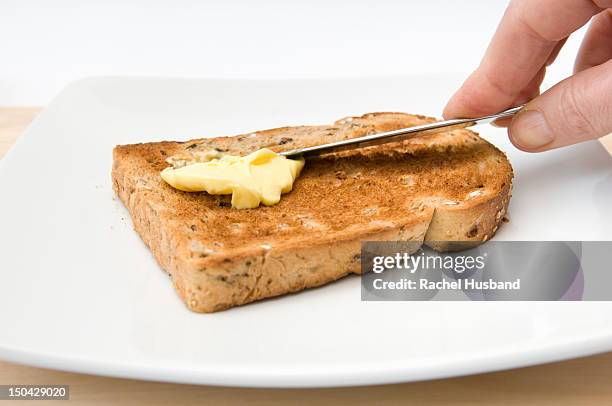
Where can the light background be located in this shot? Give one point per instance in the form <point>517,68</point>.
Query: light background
<point>44,45</point>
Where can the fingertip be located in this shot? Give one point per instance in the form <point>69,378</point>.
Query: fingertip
<point>523,148</point>
<point>529,131</point>
<point>475,98</point>
<point>517,143</point>
<point>447,113</point>
<point>450,110</point>
<point>457,106</point>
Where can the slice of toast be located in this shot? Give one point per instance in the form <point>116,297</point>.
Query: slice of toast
<point>438,188</point>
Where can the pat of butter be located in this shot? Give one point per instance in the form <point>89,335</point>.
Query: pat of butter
<point>260,177</point>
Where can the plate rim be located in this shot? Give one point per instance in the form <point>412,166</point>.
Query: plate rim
<point>343,376</point>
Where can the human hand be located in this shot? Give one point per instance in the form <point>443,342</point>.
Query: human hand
<point>528,39</point>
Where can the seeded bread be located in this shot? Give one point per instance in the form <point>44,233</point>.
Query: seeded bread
<point>437,188</point>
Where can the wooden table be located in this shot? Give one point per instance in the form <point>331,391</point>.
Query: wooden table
<point>576,382</point>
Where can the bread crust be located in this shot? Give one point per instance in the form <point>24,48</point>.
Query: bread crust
<point>436,189</point>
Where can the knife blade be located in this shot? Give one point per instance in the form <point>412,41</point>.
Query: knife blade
<point>397,135</point>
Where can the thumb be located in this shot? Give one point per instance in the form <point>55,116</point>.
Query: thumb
<point>575,110</point>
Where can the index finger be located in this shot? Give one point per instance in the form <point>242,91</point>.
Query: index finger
<point>521,46</point>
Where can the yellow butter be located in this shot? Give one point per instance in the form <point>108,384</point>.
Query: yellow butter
<point>260,177</point>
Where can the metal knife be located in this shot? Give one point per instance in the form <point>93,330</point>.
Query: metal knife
<point>397,135</point>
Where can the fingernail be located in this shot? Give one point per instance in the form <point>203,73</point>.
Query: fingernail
<point>502,122</point>
<point>530,130</point>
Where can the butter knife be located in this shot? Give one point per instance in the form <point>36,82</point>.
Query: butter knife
<point>397,135</point>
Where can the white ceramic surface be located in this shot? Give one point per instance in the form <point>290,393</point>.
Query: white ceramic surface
<point>79,291</point>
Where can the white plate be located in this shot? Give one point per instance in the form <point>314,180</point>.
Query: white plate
<point>79,291</point>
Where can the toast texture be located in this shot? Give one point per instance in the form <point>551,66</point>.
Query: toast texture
<point>433,189</point>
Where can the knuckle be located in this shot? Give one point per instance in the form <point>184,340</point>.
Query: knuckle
<point>573,112</point>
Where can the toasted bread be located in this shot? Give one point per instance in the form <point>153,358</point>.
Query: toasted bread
<point>437,188</point>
